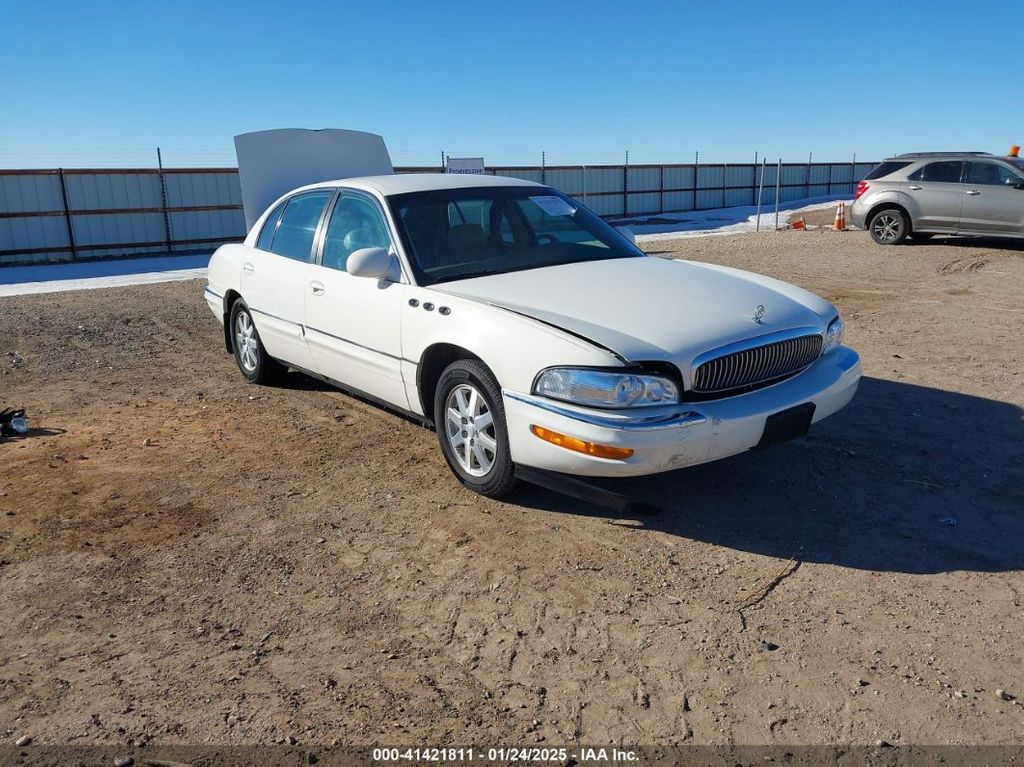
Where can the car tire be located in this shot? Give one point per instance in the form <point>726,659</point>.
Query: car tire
<point>889,226</point>
<point>474,436</point>
<point>251,357</point>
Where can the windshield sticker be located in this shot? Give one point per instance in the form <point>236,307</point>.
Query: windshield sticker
<point>553,205</point>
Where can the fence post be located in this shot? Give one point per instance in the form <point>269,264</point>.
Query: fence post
<point>584,184</point>
<point>760,191</point>
<point>661,190</point>
<point>853,174</point>
<point>753,181</point>
<point>163,200</point>
<point>67,215</point>
<point>725,181</point>
<point>625,186</point>
<point>696,171</point>
<point>807,176</point>
<point>778,190</point>
<point>543,167</point>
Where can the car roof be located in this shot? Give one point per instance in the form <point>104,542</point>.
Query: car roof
<point>402,183</point>
<point>946,155</point>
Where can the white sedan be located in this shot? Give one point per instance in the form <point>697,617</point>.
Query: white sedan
<point>526,330</point>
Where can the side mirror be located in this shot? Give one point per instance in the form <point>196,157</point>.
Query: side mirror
<point>1015,182</point>
<point>375,263</point>
<point>626,232</point>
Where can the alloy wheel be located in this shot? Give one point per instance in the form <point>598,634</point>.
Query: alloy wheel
<point>469,426</point>
<point>245,341</point>
<point>887,227</point>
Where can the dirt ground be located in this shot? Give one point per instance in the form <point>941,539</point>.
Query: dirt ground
<point>186,558</point>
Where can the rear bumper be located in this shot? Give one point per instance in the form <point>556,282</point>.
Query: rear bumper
<point>858,215</point>
<point>690,434</point>
<point>216,303</point>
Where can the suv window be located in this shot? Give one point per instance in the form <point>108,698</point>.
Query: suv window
<point>885,168</point>
<point>355,223</point>
<point>295,232</point>
<point>989,174</point>
<point>946,172</point>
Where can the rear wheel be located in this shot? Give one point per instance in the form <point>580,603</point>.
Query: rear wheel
<point>252,359</point>
<point>470,421</point>
<point>889,227</point>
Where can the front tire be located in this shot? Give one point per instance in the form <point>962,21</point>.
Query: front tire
<point>256,365</point>
<point>889,227</point>
<point>470,420</point>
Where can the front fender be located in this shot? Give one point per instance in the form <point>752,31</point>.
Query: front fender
<point>514,347</point>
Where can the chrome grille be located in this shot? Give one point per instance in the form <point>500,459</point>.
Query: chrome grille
<point>749,367</point>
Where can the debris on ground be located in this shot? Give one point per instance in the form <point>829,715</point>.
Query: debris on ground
<point>13,422</point>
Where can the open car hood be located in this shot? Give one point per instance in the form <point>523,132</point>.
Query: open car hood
<point>273,162</point>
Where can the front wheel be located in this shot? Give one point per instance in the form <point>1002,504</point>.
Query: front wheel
<point>889,227</point>
<point>470,421</point>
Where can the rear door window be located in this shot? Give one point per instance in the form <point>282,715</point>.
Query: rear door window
<point>945,172</point>
<point>297,228</point>
<point>885,168</point>
<point>269,228</point>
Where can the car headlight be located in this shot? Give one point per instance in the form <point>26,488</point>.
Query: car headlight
<point>833,336</point>
<point>605,388</point>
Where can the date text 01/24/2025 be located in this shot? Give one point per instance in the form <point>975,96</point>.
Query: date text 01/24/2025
<point>504,754</point>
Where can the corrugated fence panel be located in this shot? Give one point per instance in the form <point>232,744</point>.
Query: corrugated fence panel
<point>527,174</point>
<point>678,202</point>
<point>644,179</point>
<point>606,205</point>
<point>678,177</point>
<point>36,232</point>
<point>739,175</point>
<point>206,224</point>
<point>118,228</point>
<point>110,191</point>
<point>197,189</point>
<point>793,174</point>
<point>23,192</point>
<point>645,202</point>
<point>568,180</point>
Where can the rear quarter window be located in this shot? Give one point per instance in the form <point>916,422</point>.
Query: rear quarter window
<point>946,172</point>
<point>884,169</point>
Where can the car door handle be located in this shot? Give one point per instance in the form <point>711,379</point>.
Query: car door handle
<point>248,268</point>
<point>915,187</point>
<point>972,192</point>
<point>317,288</point>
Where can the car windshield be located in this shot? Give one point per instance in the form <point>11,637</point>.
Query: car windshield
<point>454,234</point>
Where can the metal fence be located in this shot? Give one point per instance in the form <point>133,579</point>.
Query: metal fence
<point>73,215</point>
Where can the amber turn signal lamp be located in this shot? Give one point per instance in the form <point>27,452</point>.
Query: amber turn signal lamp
<point>579,446</point>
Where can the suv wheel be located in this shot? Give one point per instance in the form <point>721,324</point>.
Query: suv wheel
<point>889,227</point>
<point>470,421</point>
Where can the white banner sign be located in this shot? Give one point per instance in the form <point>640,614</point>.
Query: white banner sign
<point>465,165</point>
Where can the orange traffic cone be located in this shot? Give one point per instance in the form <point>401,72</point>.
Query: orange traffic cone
<point>840,222</point>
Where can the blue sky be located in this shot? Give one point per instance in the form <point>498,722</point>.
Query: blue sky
<point>104,83</point>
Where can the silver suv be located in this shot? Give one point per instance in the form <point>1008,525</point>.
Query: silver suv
<point>921,194</point>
